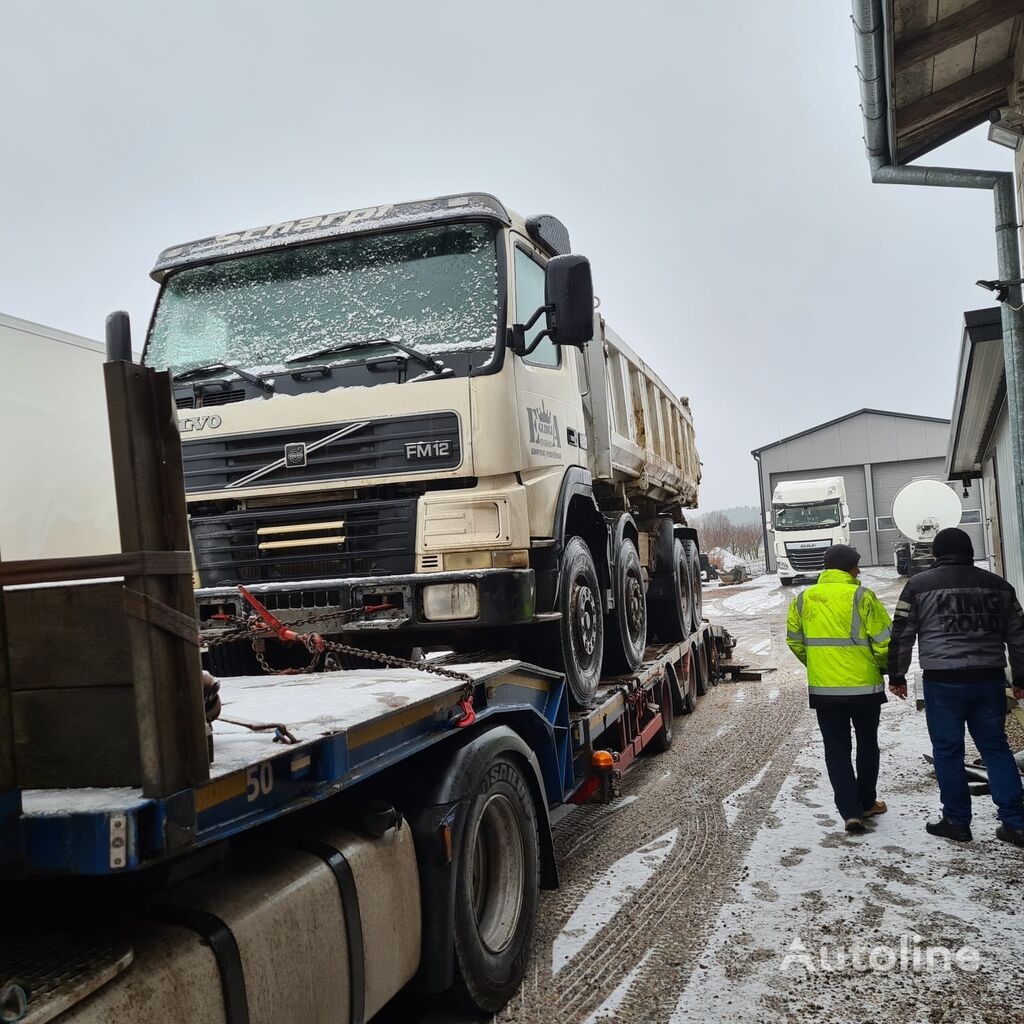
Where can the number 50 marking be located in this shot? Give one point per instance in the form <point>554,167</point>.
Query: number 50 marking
<point>259,780</point>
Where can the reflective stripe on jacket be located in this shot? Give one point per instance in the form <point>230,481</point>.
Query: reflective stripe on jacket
<point>840,631</point>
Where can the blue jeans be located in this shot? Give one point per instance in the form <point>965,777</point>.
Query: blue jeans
<point>982,708</point>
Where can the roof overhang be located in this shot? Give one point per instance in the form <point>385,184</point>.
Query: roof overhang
<point>471,205</point>
<point>940,72</point>
<point>980,389</point>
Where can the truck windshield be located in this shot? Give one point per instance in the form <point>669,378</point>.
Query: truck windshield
<point>807,517</point>
<point>433,289</point>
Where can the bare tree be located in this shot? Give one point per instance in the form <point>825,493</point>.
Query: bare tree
<point>747,540</point>
<point>714,531</point>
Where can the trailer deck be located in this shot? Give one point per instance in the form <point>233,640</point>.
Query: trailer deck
<point>320,734</point>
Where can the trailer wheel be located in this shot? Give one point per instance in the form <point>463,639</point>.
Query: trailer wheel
<point>697,590</point>
<point>625,628</point>
<point>673,617</point>
<point>662,739</point>
<point>497,889</point>
<point>575,644</point>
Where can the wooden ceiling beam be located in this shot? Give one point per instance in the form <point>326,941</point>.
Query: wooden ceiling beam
<point>956,28</point>
<point>959,98</point>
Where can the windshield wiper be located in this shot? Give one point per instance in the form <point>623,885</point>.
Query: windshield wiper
<point>428,362</point>
<point>253,378</point>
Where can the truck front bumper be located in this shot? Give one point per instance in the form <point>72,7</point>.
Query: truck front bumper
<point>435,600</point>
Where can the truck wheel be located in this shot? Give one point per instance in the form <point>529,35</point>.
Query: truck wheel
<point>576,647</point>
<point>626,627</point>
<point>497,889</point>
<point>662,739</point>
<point>673,617</point>
<point>697,591</point>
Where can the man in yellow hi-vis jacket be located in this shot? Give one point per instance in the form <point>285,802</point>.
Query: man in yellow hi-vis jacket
<point>840,631</point>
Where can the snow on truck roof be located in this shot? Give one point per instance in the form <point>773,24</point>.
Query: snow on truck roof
<point>809,490</point>
<point>330,225</point>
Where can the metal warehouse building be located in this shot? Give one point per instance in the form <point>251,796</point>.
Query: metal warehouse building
<point>876,453</point>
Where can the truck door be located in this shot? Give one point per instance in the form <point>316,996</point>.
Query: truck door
<point>549,402</point>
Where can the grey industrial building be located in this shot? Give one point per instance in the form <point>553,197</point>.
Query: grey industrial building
<point>876,453</point>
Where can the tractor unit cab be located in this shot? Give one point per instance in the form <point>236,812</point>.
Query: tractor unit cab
<point>806,519</point>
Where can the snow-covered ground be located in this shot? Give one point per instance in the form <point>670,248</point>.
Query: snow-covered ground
<point>807,887</point>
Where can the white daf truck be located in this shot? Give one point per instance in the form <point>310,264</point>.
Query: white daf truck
<point>807,517</point>
<point>408,423</point>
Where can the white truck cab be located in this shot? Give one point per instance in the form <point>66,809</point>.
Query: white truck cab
<point>807,518</point>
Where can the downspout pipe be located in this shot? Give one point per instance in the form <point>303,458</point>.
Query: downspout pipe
<point>879,140</point>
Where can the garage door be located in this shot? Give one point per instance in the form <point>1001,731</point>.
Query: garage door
<point>856,498</point>
<point>889,477</point>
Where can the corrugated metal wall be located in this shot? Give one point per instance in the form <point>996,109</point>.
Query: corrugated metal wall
<point>856,498</point>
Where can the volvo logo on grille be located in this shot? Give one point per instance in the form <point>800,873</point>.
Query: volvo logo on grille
<point>295,454</point>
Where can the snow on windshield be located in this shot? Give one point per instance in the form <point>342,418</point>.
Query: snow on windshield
<point>433,289</point>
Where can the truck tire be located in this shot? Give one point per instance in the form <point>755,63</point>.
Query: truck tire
<point>673,618</point>
<point>625,628</point>
<point>497,889</point>
<point>575,644</point>
<point>662,739</point>
<point>697,591</point>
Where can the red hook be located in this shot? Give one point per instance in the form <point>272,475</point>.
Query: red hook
<point>468,714</point>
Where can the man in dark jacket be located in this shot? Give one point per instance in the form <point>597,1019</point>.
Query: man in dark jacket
<point>964,619</point>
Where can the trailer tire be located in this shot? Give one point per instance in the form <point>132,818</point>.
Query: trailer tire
<point>497,889</point>
<point>575,644</point>
<point>625,628</point>
<point>673,617</point>
<point>662,739</point>
<point>696,589</point>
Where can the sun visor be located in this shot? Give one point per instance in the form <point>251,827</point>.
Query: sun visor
<point>331,225</point>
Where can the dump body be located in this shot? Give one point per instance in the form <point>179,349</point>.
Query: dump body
<point>642,436</point>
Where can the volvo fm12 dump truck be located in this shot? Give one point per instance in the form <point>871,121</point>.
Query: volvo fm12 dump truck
<point>807,518</point>
<point>408,423</point>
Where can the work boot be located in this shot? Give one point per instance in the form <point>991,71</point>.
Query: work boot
<point>878,807</point>
<point>1010,835</point>
<point>855,826</point>
<point>950,830</point>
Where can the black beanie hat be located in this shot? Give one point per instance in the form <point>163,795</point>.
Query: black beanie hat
<point>952,542</point>
<point>842,556</point>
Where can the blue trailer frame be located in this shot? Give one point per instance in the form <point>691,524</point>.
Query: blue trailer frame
<point>111,832</point>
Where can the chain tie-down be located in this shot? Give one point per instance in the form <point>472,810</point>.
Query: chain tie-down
<point>264,623</point>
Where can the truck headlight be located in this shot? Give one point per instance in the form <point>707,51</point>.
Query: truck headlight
<point>443,602</point>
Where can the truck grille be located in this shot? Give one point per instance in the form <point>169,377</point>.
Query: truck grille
<point>357,448</point>
<point>807,559</point>
<point>357,538</point>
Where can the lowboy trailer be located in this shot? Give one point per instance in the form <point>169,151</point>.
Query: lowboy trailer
<point>355,836</point>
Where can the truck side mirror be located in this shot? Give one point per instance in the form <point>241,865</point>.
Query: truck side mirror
<point>569,298</point>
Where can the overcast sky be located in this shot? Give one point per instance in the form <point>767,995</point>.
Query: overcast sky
<point>707,157</point>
